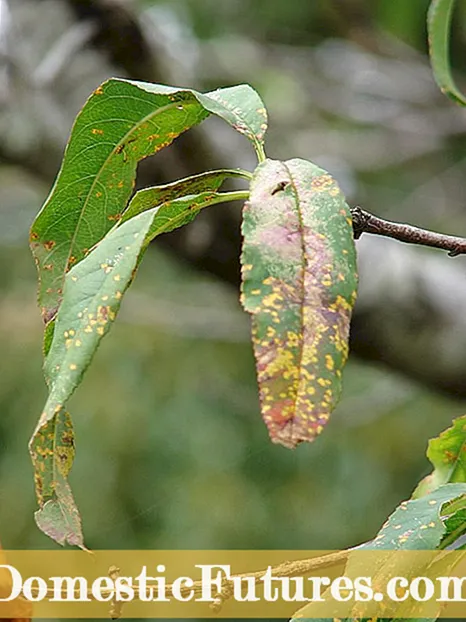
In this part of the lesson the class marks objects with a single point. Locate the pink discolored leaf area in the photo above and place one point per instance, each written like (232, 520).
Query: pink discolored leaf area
(299, 281)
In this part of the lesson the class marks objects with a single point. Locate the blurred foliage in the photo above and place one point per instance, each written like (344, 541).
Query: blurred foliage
(172, 452)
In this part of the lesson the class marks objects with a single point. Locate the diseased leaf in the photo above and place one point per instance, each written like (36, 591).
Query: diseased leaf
(416, 525)
(91, 299)
(439, 26)
(181, 201)
(447, 454)
(242, 109)
(299, 283)
(121, 123)
(157, 195)
(92, 295)
(52, 451)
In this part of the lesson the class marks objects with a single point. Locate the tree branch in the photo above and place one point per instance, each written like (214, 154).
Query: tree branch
(364, 222)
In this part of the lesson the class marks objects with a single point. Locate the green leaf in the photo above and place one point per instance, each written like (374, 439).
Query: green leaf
(455, 531)
(181, 201)
(439, 26)
(243, 110)
(417, 524)
(299, 284)
(121, 123)
(447, 454)
(92, 295)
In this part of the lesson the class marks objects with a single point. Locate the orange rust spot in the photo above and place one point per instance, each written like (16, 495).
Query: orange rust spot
(153, 137)
(99, 91)
(113, 217)
(95, 130)
(33, 236)
(49, 245)
(98, 194)
(120, 184)
(48, 266)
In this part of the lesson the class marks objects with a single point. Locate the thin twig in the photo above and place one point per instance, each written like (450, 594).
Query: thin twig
(364, 222)
(286, 569)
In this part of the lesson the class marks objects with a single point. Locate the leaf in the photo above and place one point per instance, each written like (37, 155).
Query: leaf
(92, 296)
(299, 283)
(121, 123)
(180, 202)
(91, 299)
(447, 454)
(439, 26)
(148, 198)
(243, 110)
(418, 524)
(52, 451)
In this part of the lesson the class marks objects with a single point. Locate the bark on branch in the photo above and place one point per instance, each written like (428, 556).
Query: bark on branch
(364, 222)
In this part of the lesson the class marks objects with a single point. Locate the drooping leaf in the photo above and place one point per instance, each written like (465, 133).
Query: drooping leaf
(243, 110)
(299, 284)
(91, 299)
(121, 123)
(439, 27)
(92, 295)
(447, 454)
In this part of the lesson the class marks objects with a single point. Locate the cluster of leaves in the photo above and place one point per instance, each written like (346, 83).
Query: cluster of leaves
(298, 264)
(299, 280)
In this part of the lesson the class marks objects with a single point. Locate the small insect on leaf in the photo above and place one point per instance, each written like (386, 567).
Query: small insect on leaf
(299, 283)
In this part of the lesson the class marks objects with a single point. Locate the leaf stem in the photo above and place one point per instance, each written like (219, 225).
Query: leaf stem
(223, 197)
(260, 152)
(246, 174)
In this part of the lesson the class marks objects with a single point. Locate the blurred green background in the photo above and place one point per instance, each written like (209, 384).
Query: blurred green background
(171, 449)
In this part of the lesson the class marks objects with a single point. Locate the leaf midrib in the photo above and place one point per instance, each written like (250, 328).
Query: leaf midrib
(303, 290)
